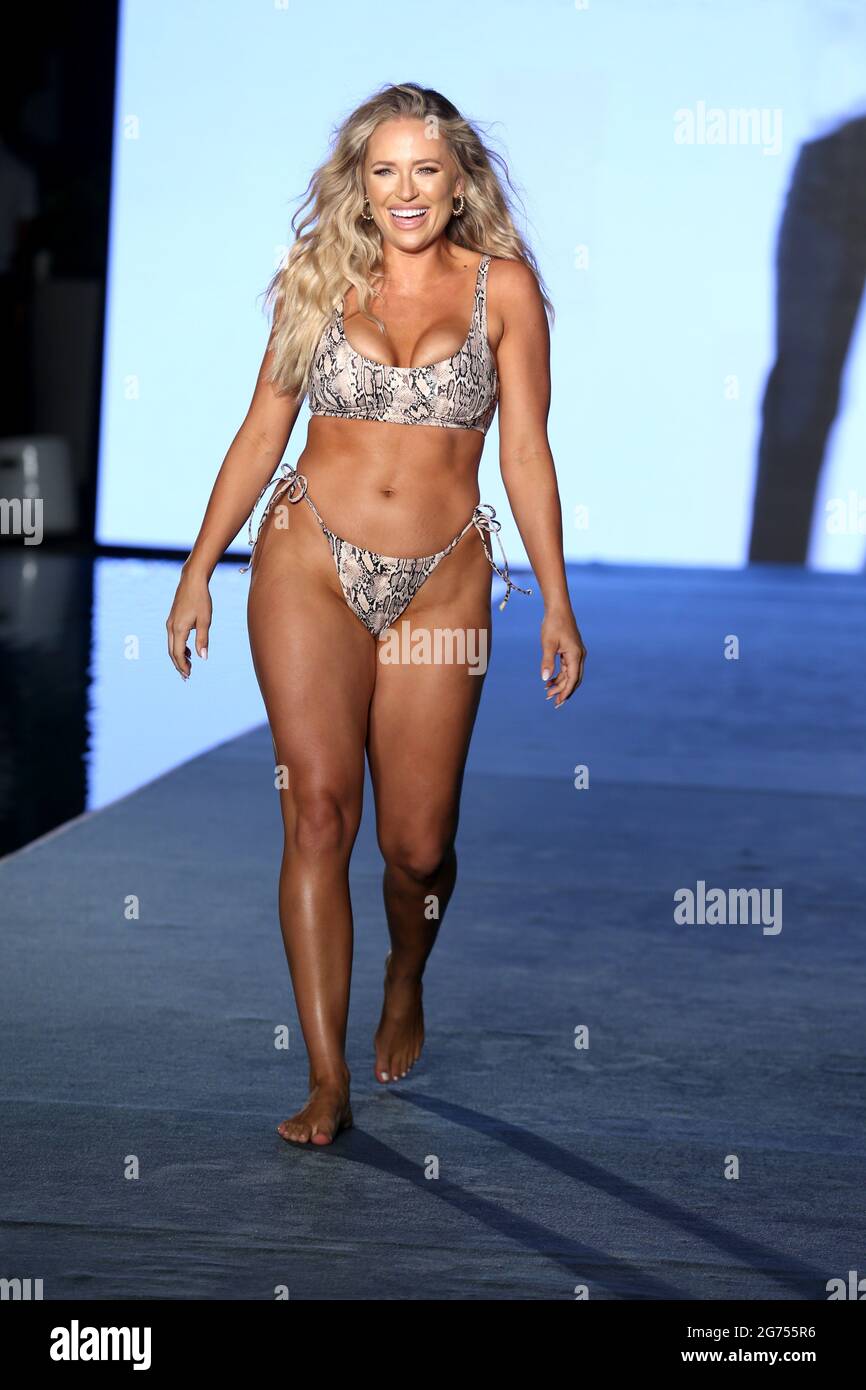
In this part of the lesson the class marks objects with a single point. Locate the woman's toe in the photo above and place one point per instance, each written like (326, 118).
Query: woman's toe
(295, 1133)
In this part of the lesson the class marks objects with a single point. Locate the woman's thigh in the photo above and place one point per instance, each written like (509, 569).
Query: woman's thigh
(428, 681)
(316, 668)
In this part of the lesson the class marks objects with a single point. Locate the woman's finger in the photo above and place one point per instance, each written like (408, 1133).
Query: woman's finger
(581, 658)
(577, 669)
(572, 659)
(555, 682)
(177, 648)
(169, 635)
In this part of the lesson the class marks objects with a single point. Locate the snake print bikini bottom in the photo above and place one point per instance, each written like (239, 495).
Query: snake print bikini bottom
(378, 588)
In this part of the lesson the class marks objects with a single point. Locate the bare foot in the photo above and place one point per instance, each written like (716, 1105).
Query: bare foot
(319, 1122)
(400, 1035)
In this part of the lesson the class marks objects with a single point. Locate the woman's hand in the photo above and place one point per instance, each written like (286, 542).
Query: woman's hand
(192, 608)
(560, 637)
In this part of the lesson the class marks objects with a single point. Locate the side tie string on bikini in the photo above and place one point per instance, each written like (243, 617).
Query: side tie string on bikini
(286, 485)
(486, 521)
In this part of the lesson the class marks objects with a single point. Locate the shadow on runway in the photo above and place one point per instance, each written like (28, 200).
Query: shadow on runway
(582, 1261)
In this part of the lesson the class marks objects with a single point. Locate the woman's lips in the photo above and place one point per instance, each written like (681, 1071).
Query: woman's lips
(414, 220)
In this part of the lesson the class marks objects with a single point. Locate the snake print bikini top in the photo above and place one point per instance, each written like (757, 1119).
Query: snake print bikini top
(461, 392)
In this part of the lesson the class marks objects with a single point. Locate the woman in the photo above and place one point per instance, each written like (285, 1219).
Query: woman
(407, 219)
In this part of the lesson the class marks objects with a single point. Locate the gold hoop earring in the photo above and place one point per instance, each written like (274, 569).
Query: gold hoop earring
(457, 212)
(367, 216)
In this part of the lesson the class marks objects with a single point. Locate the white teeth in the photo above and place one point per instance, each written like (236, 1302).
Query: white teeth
(406, 216)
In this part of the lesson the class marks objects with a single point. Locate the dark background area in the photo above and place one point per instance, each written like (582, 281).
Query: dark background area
(56, 108)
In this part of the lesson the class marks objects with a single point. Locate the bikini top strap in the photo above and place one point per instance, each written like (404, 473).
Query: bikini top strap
(480, 314)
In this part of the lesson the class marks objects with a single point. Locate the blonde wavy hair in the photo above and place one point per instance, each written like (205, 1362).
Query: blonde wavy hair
(334, 248)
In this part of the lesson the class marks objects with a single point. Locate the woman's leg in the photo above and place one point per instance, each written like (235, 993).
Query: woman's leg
(421, 721)
(315, 665)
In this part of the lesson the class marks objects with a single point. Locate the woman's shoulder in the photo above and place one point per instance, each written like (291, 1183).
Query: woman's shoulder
(513, 282)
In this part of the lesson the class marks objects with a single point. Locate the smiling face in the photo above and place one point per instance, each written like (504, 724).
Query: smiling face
(411, 181)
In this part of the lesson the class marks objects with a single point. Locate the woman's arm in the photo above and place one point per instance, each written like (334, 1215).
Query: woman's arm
(252, 459)
(526, 462)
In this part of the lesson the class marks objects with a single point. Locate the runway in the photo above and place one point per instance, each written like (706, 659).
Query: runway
(144, 990)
